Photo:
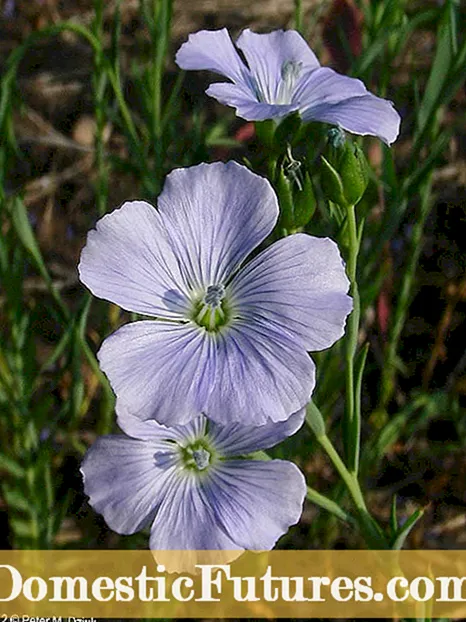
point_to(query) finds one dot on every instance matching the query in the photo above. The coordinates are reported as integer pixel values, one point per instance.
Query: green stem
(298, 15)
(100, 85)
(352, 414)
(370, 530)
(327, 504)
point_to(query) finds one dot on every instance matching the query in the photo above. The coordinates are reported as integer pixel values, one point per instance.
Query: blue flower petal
(160, 370)
(298, 286)
(255, 502)
(215, 215)
(213, 50)
(172, 373)
(260, 376)
(247, 107)
(326, 86)
(237, 439)
(128, 260)
(123, 482)
(186, 519)
(326, 96)
(150, 430)
(240, 504)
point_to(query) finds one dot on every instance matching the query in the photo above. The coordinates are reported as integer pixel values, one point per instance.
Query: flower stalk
(352, 413)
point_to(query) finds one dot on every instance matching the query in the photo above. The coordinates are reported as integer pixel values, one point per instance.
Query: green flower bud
(345, 171)
(354, 173)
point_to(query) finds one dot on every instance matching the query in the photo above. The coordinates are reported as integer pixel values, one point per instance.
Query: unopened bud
(345, 171)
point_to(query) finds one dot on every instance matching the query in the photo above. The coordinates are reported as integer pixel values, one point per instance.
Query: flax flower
(186, 483)
(282, 75)
(228, 338)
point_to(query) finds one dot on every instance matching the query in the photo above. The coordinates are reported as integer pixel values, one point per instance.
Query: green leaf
(16, 499)
(22, 528)
(11, 467)
(404, 531)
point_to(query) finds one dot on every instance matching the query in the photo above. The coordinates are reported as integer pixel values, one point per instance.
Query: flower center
(197, 456)
(211, 312)
(290, 72)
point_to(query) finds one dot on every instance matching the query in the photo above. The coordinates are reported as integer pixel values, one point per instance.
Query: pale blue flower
(283, 75)
(228, 340)
(188, 485)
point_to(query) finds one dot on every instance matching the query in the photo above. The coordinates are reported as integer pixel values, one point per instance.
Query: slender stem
(371, 531)
(352, 414)
(327, 504)
(100, 84)
(298, 15)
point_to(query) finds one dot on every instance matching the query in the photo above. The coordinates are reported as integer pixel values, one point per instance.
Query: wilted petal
(237, 439)
(260, 376)
(123, 482)
(267, 54)
(128, 261)
(256, 502)
(212, 50)
(216, 214)
(160, 370)
(298, 286)
(326, 96)
(247, 107)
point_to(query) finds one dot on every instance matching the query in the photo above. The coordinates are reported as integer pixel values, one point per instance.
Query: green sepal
(285, 199)
(315, 420)
(265, 131)
(304, 203)
(331, 182)
(287, 132)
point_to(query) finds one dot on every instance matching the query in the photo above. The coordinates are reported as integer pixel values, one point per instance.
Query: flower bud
(345, 171)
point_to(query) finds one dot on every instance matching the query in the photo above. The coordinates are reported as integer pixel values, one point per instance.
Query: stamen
(211, 312)
(290, 72)
(196, 456)
(214, 296)
(201, 458)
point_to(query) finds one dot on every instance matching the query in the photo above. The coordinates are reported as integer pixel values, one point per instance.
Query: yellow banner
(221, 584)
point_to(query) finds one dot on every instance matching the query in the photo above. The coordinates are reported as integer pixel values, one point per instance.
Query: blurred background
(93, 111)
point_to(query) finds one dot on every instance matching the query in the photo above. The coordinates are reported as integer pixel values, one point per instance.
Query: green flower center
(197, 456)
(212, 312)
